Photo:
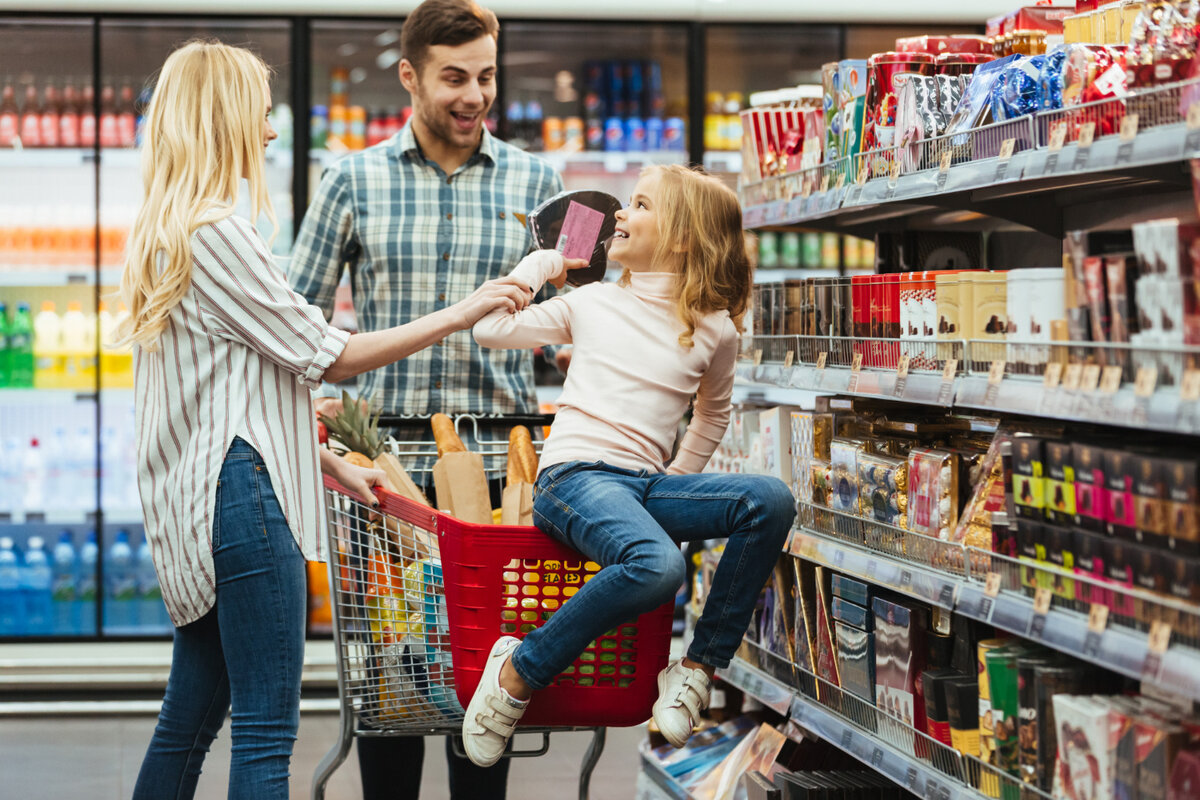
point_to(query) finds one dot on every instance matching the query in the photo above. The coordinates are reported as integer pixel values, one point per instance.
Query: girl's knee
(663, 570)
(775, 501)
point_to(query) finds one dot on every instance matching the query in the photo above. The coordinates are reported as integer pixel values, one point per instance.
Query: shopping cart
(419, 597)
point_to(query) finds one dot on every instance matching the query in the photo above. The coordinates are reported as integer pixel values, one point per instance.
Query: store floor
(97, 758)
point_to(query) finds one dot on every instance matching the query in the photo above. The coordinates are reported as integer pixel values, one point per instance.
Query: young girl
(225, 356)
(643, 349)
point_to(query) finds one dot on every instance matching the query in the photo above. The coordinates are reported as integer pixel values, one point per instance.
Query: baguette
(522, 458)
(445, 435)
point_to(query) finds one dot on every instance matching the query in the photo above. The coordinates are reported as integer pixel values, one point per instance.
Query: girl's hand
(507, 293)
(560, 280)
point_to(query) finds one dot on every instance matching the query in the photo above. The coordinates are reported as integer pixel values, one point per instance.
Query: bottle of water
(35, 586)
(151, 611)
(12, 483)
(86, 583)
(59, 461)
(35, 477)
(63, 589)
(122, 584)
(84, 464)
(12, 604)
(5, 352)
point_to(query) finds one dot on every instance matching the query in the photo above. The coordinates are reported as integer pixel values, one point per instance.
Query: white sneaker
(682, 694)
(493, 713)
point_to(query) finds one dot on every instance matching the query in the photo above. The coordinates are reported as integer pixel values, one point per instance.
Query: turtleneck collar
(656, 285)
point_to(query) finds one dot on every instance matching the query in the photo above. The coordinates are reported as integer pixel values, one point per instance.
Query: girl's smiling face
(636, 237)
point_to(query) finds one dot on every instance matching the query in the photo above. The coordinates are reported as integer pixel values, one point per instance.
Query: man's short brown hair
(447, 22)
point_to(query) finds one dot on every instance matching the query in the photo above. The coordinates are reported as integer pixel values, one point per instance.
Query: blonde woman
(225, 356)
(663, 338)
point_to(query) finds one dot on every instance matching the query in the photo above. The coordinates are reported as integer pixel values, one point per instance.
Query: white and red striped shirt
(239, 357)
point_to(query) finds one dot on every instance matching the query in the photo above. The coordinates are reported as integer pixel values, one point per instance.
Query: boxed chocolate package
(1060, 482)
(987, 728)
(852, 614)
(856, 660)
(1157, 743)
(1050, 680)
(1002, 686)
(1060, 552)
(1031, 551)
(1086, 761)
(1149, 576)
(775, 437)
(850, 589)
(1121, 273)
(1091, 499)
(937, 719)
(967, 634)
(844, 465)
(1183, 505)
(1149, 500)
(1028, 711)
(1118, 566)
(1090, 553)
(899, 660)
(962, 709)
(1118, 483)
(932, 492)
(1122, 736)
(883, 488)
(1183, 582)
(1028, 486)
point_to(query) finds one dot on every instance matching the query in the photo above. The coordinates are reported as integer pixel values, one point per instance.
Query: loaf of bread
(522, 458)
(445, 435)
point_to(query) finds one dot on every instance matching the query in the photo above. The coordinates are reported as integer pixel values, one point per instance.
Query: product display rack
(1100, 166)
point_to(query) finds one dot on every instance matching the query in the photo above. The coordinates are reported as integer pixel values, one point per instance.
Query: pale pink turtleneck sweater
(630, 381)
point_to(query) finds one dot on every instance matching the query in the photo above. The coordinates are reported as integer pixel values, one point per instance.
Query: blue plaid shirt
(427, 241)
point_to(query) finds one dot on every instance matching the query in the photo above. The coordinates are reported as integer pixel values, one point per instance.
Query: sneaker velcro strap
(495, 726)
(698, 683)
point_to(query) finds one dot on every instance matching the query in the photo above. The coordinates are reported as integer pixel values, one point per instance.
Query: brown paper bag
(461, 487)
(516, 505)
(398, 481)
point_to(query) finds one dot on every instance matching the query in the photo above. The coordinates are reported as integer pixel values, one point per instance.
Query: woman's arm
(358, 480)
(544, 323)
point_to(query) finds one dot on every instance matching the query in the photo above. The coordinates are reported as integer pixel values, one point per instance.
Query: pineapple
(356, 428)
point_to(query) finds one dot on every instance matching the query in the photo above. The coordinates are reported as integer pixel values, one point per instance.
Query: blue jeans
(631, 524)
(248, 650)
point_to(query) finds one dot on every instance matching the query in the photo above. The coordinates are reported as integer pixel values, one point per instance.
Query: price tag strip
(1191, 142)
(855, 372)
(1189, 390)
(944, 170)
(901, 376)
(1097, 622)
(995, 377)
(1087, 132)
(789, 358)
(991, 590)
(758, 354)
(1006, 153)
(1128, 133)
(946, 390)
(1156, 646)
(1041, 607)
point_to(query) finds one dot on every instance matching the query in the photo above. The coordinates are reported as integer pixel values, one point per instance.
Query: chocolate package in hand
(578, 224)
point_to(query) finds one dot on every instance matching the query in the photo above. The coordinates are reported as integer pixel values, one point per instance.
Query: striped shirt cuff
(332, 345)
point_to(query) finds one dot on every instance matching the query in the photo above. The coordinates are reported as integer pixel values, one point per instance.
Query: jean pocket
(553, 475)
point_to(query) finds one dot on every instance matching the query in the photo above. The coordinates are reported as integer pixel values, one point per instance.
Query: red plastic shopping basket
(509, 580)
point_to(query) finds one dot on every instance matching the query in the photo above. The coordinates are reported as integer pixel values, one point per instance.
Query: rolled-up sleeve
(246, 298)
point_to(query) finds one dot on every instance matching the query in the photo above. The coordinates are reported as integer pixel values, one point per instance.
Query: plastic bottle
(34, 464)
(10, 115)
(60, 475)
(5, 352)
(85, 584)
(47, 348)
(20, 349)
(107, 125)
(126, 118)
(78, 355)
(12, 482)
(49, 120)
(35, 586)
(63, 587)
(151, 611)
(12, 604)
(31, 119)
(87, 115)
(83, 464)
(68, 118)
(121, 583)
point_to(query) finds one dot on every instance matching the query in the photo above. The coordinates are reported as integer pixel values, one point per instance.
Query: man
(432, 212)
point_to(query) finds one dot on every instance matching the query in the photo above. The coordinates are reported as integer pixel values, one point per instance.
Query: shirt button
(449, 180)
(445, 256)
(449, 216)
(501, 215)
(441, 296)
(437, 385)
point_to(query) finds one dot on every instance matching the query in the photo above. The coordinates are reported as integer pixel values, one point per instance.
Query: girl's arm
(710, 411)
(542, 323)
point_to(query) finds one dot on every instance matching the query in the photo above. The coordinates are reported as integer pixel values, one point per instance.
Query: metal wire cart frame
(401, 640)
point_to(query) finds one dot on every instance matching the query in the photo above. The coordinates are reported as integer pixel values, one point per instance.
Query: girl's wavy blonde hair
(700, 229)
(202, 133)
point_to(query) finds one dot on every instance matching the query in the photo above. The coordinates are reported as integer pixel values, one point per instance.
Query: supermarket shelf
(875, 739)
(590, 161)
(1165, 408)
(1029, 189)
(54, 276)
(729, 161)
(792, 274)
(659, 777)
(869, 550)
(53, 397)
(115, 157)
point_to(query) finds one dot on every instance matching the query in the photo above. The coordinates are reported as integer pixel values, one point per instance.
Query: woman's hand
(358, 480)
(507, 293)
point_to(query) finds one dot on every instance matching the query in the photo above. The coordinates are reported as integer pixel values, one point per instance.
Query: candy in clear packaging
(932, 492)
(1016, 91)
(1050, 79)
(844, 454)
(883, 482)
(975, 101)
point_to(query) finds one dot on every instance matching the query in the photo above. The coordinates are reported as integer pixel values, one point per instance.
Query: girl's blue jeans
(631, 524)
(248, 650)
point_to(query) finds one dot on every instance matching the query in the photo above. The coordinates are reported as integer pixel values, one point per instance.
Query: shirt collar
(406, 143)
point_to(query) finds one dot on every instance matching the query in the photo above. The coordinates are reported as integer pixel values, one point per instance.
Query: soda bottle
(10, 115)
(121, 584)
(31, 119)
(35, 586)
(151, 611)
(47, 348)
(107, 129)
(5, 352)
(533, 126)
(126, 118)
(87, 116)
(12, 605)
(50, 117)
(68, 118)
(63, 586)
(85, 583)
(34, 463)
(78, 357)
(20, 349)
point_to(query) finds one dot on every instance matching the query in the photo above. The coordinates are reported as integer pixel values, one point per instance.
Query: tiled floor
(98, 758)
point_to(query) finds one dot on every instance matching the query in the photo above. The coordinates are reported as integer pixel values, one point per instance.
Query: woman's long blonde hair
(700, 229)
(202, 133)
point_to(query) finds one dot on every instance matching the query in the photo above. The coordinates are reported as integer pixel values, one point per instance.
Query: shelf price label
(822, 358)
(1129, 127)
(855, 372)
(1146, 381)
(901, 376)
(1041, 607)
(758, 354)
(863, 172)
(1189, 388)
(856, 363)
(905, 579)
(944, 169)
(789, 358)
(946, 390)
(1110, 379)
(1006, 154)
(1072, 377)
(825, 183)
(841, 180)
(1090, 378)
(1156, 646)
(1087, 133)
(1058, 137)
(876, 757)
(991, 590)
(995, 376)
(847, 739)
(1192, 142)
(1053, 376)
(1097, 622)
